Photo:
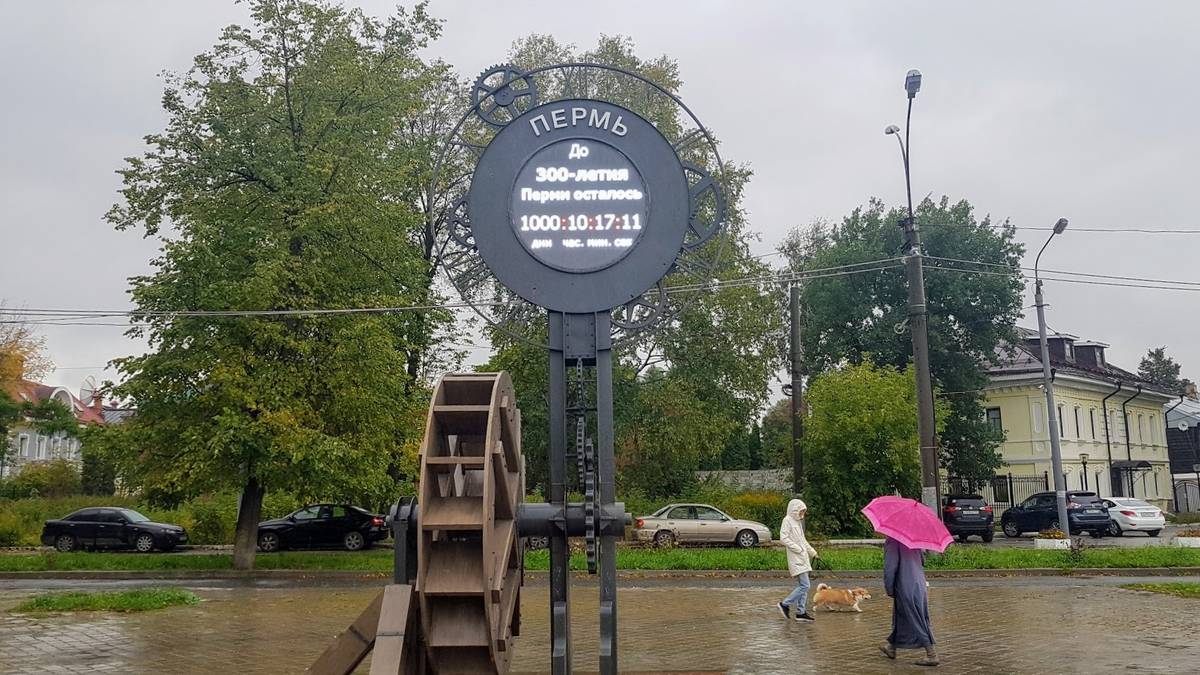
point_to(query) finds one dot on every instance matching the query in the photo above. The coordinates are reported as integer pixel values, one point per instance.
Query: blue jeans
(799, 597)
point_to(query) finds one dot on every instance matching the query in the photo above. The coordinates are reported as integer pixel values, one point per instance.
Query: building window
(1141, 428)
(993, 418)
(1153, 431)
(41, 447)
(23, 445)
(1062, 429)
(1078, 433)
(1093, 416)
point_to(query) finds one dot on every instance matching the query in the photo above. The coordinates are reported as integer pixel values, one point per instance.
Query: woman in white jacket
(791, 535)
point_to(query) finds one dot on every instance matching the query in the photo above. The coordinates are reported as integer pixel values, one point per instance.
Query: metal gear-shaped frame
(502, 93)
(499, 95)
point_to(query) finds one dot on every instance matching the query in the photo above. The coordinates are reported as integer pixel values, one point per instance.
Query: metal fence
(1000, 491)
(1187, 496)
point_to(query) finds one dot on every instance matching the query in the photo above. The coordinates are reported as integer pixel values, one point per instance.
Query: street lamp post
(1083, 458)
(1060, 487)
(918, 318)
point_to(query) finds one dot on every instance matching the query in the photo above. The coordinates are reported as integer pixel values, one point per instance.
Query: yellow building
(1111, 431)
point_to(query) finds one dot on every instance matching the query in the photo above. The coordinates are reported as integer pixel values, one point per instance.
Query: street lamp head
(912, 82)
(1060, 226)
(892, 129)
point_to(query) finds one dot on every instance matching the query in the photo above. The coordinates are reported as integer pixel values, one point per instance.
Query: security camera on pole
(1060, 486)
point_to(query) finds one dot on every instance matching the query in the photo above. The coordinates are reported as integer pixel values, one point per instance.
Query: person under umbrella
(904, 582)
(791, 535)
(910, 528)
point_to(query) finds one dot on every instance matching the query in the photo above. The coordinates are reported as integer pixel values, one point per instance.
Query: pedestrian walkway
(991, 626)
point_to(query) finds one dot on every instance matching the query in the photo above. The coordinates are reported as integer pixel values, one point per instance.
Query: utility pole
(797, 390)
(918, 320)
(1060, 482)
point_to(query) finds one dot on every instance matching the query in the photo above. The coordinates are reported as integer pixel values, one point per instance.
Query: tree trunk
(245, 541)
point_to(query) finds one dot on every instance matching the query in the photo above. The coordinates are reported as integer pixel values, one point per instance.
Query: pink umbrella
(909, 522)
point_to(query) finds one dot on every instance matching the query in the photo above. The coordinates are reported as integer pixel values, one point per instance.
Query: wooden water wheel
(469, 557)
(463, 612)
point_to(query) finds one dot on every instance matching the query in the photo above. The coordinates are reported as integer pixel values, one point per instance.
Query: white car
(1133, 515)
(699, 524)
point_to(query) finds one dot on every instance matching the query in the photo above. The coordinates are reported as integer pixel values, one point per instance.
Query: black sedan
(322, 526)
(111, 528)
(1085, 511)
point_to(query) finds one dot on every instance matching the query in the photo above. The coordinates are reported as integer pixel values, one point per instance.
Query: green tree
(777, 434)
(973, 307)
(718, 356)
(280, 184)
(1159, 369)
(860, 442)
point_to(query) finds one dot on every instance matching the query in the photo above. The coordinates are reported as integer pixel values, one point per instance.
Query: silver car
(699, 524)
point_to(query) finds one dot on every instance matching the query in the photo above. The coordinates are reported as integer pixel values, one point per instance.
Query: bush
(1183, 518)
(12, 529)
(768, 508)
(55, 478)
(211, 521)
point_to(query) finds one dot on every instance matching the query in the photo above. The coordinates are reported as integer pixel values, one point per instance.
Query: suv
(965, 515)
(1085, 511)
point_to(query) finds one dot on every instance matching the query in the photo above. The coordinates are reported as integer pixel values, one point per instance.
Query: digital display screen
(578, 205)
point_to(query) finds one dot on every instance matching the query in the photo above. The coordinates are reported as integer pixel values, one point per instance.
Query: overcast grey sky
(1031, 110)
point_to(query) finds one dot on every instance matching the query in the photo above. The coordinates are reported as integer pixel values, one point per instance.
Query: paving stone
(709, 626)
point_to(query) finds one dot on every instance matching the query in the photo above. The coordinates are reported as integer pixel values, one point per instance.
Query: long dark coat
(904, 582)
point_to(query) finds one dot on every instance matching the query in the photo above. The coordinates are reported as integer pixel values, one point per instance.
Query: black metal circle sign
(579, 205)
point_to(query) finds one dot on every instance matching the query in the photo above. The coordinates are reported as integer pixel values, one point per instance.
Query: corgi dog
(839, 599)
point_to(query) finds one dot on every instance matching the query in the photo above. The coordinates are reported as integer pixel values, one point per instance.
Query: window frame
(997, 422)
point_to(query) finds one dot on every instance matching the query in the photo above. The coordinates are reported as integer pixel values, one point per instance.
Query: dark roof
(1026, 358)
(1131, 464)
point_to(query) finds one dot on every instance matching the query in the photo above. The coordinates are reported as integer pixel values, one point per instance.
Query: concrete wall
(768, 480)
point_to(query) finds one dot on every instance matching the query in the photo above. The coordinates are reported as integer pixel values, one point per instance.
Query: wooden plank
(460, 661)
(452, 513)
(450, 463)
(455, 568)
(352, 646)
(510, 432)
(456, 622)
(462, 419)
(395, 620)
(506, 532)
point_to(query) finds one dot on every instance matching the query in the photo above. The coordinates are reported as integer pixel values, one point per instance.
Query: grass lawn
(123, 601)
(756, 559)
(1183, 590)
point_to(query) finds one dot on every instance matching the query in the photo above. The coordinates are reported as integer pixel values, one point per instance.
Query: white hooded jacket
(791, 535)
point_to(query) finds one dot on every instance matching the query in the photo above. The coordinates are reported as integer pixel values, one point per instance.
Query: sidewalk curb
(250, 575)
(314, 575)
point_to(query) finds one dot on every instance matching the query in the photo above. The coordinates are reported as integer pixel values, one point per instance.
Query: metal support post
(560, 555)
(606, 467)
(1060, 487)
(918, 324)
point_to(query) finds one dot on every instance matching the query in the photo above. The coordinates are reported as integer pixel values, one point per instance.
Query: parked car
(965, 515)
(102, 527)
(1133, 515)
(699, 524)
(322, 526)
(1085, 511)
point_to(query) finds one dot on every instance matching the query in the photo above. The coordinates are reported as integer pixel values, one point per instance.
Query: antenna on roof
(87, 390)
